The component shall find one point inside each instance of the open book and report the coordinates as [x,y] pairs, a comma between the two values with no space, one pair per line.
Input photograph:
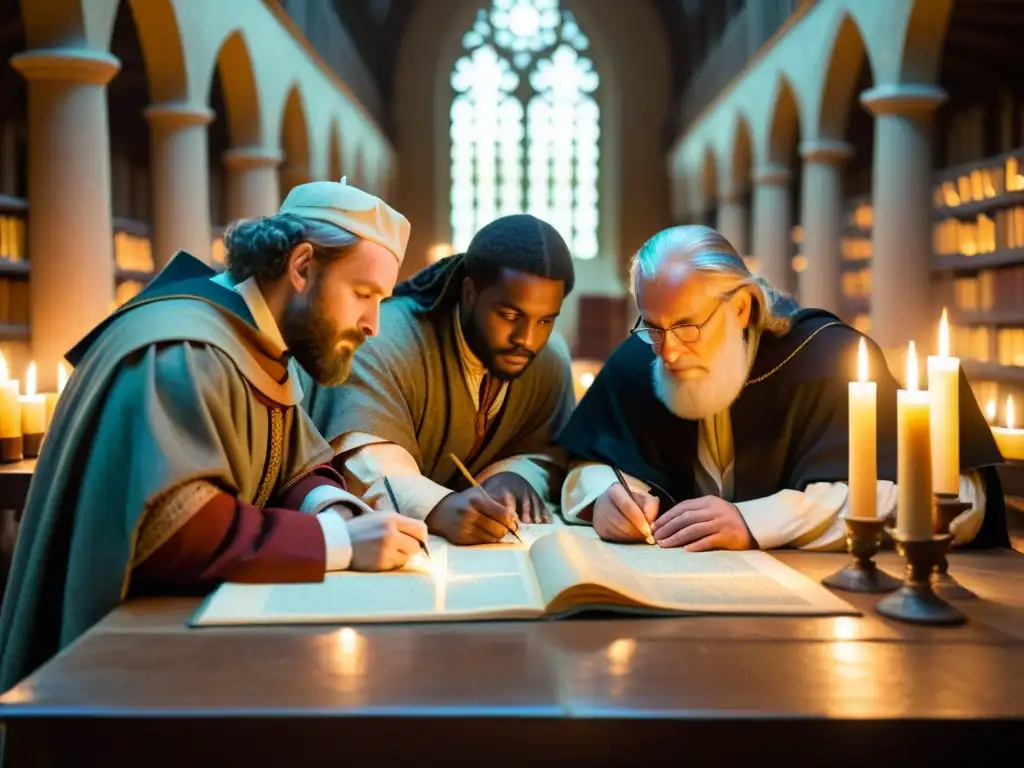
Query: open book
[558,571]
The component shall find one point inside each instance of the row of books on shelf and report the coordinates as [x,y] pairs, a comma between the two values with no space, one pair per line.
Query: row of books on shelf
[1004,230]
[12,238]
[857,285]
[976,343]
[855,248]
[983,183]
[132,252]
[997,290]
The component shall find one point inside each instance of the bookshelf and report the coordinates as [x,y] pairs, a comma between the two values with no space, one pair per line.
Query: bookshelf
[855,271]
[979,268]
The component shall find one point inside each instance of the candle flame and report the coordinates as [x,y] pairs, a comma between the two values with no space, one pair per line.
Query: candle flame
[30,380]
[944,334]
[1009,411]
[862,361]
[4,375]
[62,377]
[911,368]
[990,410]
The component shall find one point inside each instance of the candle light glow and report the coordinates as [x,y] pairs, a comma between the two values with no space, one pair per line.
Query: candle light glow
[1010,439]
[33,414]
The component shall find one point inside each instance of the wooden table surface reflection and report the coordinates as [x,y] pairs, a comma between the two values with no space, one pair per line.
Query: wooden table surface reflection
[142,685]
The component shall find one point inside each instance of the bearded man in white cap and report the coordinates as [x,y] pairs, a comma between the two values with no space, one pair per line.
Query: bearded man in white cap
[178,457]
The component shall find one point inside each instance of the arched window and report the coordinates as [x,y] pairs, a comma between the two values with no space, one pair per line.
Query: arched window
[525,124]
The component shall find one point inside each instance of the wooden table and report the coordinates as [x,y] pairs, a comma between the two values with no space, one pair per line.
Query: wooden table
[142,687]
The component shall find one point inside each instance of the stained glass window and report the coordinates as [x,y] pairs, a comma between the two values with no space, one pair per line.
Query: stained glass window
[525,125]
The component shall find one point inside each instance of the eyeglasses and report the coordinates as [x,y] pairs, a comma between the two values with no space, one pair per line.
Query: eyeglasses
[687,333]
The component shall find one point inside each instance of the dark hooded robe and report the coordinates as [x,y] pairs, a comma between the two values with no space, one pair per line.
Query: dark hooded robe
[790,422]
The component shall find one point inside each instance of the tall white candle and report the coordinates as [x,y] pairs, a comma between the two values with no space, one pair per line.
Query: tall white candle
[944,387]
[914,503]
[863,473]
[33,406]
[10,406]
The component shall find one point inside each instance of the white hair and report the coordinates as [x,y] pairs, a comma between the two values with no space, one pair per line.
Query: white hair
[707,251]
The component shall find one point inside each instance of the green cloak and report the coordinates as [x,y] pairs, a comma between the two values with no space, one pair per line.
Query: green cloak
[176,386]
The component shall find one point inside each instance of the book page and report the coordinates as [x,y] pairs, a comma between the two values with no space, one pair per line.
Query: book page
[675,580]
[492,581]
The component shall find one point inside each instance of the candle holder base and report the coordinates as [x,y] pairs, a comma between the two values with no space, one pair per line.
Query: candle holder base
[863,538]
[947,509]
[916,602]
[11,449]
[32,444]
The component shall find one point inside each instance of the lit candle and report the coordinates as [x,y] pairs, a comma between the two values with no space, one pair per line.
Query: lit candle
[863,474]
[10,416]
[1009,439]
[914,465]
[53,397]
[944,387]
[33,415]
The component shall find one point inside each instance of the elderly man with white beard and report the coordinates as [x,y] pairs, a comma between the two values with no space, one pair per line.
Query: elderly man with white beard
[726,411]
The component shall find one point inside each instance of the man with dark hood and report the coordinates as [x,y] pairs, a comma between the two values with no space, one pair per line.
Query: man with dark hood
[465,365]
[727,412]
[178,458]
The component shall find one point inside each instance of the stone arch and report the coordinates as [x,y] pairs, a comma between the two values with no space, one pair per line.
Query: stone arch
[334,163]
[842,72]
[923,41]
[295,141]
[784,124]
[739,170]
[241,94]
[160,36]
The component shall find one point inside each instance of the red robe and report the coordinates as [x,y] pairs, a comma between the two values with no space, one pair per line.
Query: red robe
[232,540]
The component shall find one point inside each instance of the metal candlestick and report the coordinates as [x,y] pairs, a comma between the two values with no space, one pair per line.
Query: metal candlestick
[947,508]
[863,539]
[916,602]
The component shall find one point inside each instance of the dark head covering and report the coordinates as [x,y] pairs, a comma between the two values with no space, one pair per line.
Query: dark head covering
[520,242]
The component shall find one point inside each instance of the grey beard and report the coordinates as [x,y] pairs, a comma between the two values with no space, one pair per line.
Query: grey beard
[697,399]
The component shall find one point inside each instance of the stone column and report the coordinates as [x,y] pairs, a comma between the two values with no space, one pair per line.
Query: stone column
[252,182]
[180,180]
[69,223]
[901,240]
[772,241]
[732,222]
[821,219]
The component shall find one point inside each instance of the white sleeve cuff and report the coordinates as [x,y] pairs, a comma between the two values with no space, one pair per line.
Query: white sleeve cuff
[324,496]
[967,524]
[585,482]
[336,540]
[784,517]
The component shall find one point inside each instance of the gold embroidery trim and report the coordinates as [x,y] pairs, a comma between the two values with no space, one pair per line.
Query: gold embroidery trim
[792,354]
[168,514]
[273,467]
